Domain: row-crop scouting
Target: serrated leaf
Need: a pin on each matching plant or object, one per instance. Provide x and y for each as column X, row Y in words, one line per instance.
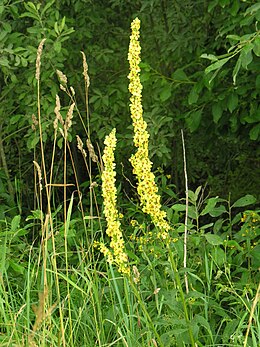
column 216, row 112
column 217, row 65
column 245, row 201
column 214, row 240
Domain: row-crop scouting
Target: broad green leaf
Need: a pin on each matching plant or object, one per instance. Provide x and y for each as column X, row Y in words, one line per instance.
column 245, row 201
column 15, row 223
column 246, row 55
column 211, row 203
column 217, row 211
column 166, row 93
column 232, row 102
column 179, row 207
column 193, row 97
column 216, row 112
column 217, row 65
column 16, row 267
column 214, row 240
column 180, row 75
column 255, row 132
column 194, row 119
column 256, row 48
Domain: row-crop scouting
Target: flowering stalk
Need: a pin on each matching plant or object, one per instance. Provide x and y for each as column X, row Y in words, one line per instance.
column 146, row 186
column 117, row 253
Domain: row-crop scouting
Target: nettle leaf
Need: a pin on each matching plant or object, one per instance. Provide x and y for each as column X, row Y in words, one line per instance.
column 217, row 65
column 245, row 201
column 255, row 132
column 232, row 102
column 194, row 120
column 217, row 111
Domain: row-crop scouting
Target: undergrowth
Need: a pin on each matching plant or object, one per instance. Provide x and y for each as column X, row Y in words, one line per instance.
column 185, row 273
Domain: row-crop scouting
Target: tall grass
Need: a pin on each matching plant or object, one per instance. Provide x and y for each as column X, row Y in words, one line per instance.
column 60, row 290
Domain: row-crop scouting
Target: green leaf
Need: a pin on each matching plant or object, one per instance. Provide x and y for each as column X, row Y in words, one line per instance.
column 166, row 93
column 236, row 70
column 16, row 267
column 179, row 207
column 255, row 132
column 15, row 223
column 217, row 65
column 217, row 211
column 232, row 102
column 214, row 240
column 211, row 57
column 47, row 6
column 193, row 95
column 194, row 119
column 180, row 75
column 246, row 55
column 216, row 112
column 256, row 47
column 211, row 203
column 245, row 201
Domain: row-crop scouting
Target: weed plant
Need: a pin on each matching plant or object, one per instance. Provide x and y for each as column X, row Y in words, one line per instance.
column 179, row 274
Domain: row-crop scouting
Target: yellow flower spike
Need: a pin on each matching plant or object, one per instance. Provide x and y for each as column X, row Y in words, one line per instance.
column 117, row 253
column 146, row 186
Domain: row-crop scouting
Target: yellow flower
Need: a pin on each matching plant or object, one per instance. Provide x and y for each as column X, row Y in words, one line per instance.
column 146, row 186
column 117, row 253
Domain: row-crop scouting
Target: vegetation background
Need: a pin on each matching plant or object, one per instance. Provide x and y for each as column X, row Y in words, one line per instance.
column 200, row 73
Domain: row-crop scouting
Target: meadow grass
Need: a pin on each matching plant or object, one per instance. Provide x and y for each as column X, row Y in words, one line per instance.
column 86, row 280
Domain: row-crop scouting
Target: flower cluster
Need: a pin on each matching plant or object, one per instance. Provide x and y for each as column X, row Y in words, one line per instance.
column 146, row 186
column 117, row 253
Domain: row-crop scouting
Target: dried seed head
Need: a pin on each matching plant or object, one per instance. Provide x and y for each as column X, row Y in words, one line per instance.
column 93, row 185
column 72, row 91
column 136, row 274
column 85, row 69
column 38, row 59
column 63, row 78
column 39, row 172
column 91, row 151
column 34, row 122
column 80, row 146
column 62, row 88
column 58, row 114
column 68, row 122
